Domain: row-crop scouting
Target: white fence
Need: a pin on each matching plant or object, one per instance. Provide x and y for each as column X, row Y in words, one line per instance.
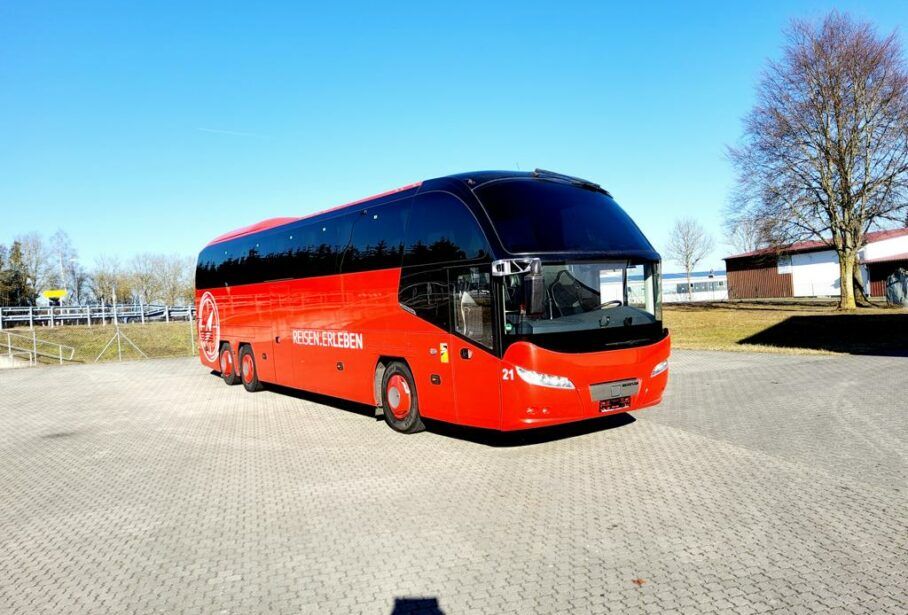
column 32, row 316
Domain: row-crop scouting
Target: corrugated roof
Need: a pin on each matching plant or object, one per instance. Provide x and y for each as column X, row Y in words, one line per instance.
column 808, row 246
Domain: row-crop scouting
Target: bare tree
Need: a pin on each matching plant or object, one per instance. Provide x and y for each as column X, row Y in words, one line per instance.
column 146, row 274
column 60, row 258
column 744, row 233
column 825, row 149
column 34, row 264
column 177, row 279
column 106, row 278
column 78, row 282
column 688, row 244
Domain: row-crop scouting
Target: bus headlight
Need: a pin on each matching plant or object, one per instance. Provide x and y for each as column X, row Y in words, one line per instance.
column 543, row 380
column 661, row 366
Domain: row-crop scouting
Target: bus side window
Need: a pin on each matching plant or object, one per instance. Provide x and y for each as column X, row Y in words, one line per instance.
column 378, row 238
column 316, row 247
column 426, row 293
column 473, row 305
column 442, row 230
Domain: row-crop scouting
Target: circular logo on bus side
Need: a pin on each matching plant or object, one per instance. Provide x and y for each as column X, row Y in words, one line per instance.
column 209, row 327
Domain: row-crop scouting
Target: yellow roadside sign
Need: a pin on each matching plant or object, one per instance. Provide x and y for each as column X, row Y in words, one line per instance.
column 54, row 293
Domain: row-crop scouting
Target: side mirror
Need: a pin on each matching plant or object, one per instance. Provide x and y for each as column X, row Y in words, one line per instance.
column 534, row 286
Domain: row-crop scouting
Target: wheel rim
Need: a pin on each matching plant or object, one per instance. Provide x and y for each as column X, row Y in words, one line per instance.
column 399, row 398
column 226, row 363
column 248, row 368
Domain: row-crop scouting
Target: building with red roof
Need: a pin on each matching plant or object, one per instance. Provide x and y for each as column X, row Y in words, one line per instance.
column 811, row 268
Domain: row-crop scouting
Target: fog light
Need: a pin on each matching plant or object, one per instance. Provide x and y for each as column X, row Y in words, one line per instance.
column 661, row 366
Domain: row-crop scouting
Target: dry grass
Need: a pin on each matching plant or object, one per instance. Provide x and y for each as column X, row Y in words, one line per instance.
column 787, row 327
column 155, row 339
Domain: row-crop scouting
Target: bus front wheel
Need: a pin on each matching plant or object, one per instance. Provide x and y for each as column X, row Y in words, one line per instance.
column 399, row 399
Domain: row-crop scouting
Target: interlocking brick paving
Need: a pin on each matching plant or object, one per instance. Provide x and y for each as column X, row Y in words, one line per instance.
column 763, row 483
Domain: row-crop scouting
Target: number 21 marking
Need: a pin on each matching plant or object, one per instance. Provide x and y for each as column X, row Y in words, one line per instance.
column 507, row 374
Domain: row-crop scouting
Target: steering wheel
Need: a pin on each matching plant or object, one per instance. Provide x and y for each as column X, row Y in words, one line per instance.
column 612, row 303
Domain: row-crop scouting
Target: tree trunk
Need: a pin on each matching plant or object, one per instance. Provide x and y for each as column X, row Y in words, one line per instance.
column 860, row 295
column 846, row 278
column 690, row 291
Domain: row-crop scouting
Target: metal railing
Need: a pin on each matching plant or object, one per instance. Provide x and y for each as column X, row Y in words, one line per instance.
column 91, row 314
column 30, row 348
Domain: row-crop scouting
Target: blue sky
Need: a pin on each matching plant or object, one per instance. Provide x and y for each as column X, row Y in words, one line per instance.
column 155, row 127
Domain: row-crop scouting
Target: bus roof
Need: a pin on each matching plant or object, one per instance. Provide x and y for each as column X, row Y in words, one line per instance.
column 471, row 180
column 274, row 222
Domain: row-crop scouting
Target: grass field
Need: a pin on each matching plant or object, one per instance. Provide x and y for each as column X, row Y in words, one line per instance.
column 157, row 340
column 764, row 327
column 787, row 327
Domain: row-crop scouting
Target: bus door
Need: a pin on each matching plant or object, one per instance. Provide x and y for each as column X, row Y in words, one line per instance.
column 425, row 293
column 477, row 371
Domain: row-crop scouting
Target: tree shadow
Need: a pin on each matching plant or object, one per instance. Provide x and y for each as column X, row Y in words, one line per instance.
column 418, row 606
column 859, row 334
column 752, row 305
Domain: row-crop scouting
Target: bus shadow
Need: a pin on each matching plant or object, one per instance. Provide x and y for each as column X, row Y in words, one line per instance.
column 528, row 437
column 477, row 435
column 325, row 400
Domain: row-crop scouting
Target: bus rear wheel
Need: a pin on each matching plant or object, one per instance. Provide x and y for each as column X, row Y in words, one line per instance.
column 399, row 400
column 248, row 373
column 228, row 365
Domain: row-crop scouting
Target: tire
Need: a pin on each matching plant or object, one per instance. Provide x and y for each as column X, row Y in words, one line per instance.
column 227, row 365
column 247, row 371
column 400, row 402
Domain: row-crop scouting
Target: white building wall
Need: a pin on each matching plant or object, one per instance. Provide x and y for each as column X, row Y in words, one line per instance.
column 887, row 247
column 815, row 274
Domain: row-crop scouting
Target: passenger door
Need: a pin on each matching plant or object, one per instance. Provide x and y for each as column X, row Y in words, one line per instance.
column 477, row 370
column 425, row 294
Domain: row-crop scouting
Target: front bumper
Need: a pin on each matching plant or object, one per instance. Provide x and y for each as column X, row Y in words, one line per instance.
column 526, row 406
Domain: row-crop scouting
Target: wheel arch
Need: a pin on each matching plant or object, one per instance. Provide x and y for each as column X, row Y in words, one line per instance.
column 379, row 372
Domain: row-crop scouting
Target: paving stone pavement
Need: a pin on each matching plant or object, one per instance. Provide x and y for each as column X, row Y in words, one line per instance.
column 764, row 483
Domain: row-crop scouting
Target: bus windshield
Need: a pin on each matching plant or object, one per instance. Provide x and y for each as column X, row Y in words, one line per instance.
column 586, row 296
column 542, row 216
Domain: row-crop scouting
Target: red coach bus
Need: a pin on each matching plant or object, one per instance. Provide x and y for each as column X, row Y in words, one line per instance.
column 500, row 300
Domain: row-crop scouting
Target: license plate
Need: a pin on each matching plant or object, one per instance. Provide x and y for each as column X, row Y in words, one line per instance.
column 615, row 403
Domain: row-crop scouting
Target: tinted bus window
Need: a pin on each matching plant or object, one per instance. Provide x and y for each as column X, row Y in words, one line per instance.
column 378, row 237
column 442, row 229
column 316, row 247
column 428, row 295
column 213, row 266
column 534, row 215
